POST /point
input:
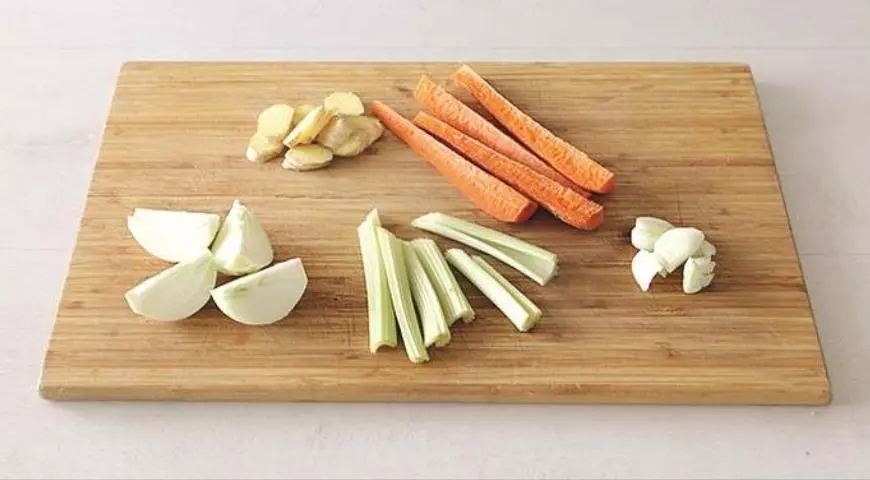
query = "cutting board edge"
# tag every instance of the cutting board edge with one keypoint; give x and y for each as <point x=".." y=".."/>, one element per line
<point x="813" y="390"/>
<point x="798" y="259"/>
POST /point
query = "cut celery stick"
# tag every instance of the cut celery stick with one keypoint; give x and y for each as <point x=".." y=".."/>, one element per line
<point x="397" y="276"/>
<point x="382" y="319"/>
<point x="435" y="329"/>
<point x="535" y="262"/>
<point x="492" y="288"/>
<point x="453" y="301"/>
<point x="529" y="306"/>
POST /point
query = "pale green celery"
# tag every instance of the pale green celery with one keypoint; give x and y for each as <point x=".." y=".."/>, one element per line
<point x="533" y="310"/>
<point x="435" y="329"/>
<point x="453" y="301"/>
<point x="400" y="291"/>
<point x="382" y="319"/>
<point x="492" y="288"/>
<point x="535" y="262"/>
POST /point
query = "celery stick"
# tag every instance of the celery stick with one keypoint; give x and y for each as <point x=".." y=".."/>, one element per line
<point x="382" y="319"/>
<point x="397" y="276"/>
<point x="435" y="330"/>
<point x="492" y="288"/>
<point x="453" y="300"/>
<point x="535" y="262"/>
<point x="529" y="306"/>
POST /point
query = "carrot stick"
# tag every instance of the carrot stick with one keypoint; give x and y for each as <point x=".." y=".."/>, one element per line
<point x="566" y="204"/>
<point x="493" y="196"/>
<point x="440" y="103"/>
<point x="561" y="155"/>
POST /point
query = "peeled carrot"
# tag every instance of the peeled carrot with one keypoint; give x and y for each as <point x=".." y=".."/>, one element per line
<point x="440" y="103"/>
<point x="496" y="198"/>
<point x="566" y="204"/>
<point x="561" y="155"/>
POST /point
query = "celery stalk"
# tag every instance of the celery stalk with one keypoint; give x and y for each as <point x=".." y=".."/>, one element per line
<point x="453" y="301"/>
<point x="514" y="309"/>
<point x="397" y="277"/>
<point x="533" y="310"/>
<point x="535" y="262"/>
<point x="382" y="319"/>
<point x="435" y="329"/>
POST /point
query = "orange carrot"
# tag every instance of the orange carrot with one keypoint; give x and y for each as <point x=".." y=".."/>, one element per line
<point x="566" y="204"/>
<point x="493" y="196"/>
<point x="561" y="155"/>
<point x="442" y="104"/>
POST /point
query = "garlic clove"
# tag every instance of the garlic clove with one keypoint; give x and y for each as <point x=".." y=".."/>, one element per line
<point x="263" y="297"/>
<point x="706" y="249"/>
<point x="697" y="274"/>
<point x="241" y="246"/>
<point x="177" y="292"/>
<point x="644" y="267"/>
<point x="173" y="235"/>
<point x="676" y="245"/>
<point x="646" y="231"/>
<point x="643" y="239"/>
<point x="654" y="225"/>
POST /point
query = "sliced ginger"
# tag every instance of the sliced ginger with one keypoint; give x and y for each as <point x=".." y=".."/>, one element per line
<point x="307" y="157"/>
<point x="301" y="112"/>
<point x="308" y="128"/>
<point x="348" y="136"/>
<point x="336" y="133"/>
<point x="274" y="122"/>
<point x="344" y="103"/>
<point x="261" y="149"/>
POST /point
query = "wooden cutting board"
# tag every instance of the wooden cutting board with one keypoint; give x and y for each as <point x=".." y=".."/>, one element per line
<point x="687" y="142"/>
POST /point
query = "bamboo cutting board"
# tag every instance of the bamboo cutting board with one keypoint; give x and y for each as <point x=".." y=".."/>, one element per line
<point x="686" y="141"/>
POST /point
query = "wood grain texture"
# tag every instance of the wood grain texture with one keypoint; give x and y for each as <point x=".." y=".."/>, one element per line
<point x="687" y="143"/>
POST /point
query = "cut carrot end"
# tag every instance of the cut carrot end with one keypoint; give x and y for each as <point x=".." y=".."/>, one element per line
<point x="565" y="203"/>
<point x="564" y="157"/>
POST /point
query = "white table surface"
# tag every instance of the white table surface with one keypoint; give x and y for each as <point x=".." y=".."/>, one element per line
<point x="58" y="62"/>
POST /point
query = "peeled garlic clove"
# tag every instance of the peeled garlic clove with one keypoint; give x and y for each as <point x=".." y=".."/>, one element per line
<point x="654" y="225"/>
<point x="706" y="249"/>
<point x="177" y="292"/>
<point x="241" y="246"/>
<point x="643" y="239"/>
<point x="646" y="231"/>
<point x="173" y="235"/>
<point x="676" y="245"/>
<point x="697" y="274"/>
<point x="263" y="297"/>
<point x="644" y="267"/>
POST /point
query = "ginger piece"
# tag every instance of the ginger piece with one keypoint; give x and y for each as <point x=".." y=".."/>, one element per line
<point x="307" y="129"/>
<point x="307" y="157"/>
<point x="348" y="136"/>
<point x="261" y="149"/>
<point x="344" y="103"/>
<point x="274" y="122"/>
